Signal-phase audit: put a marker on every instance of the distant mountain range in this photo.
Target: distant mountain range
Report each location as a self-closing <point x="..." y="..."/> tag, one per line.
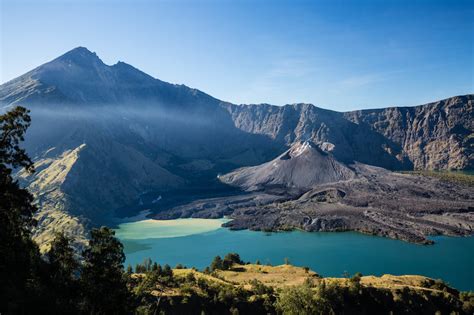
<point x="108" y="137"/>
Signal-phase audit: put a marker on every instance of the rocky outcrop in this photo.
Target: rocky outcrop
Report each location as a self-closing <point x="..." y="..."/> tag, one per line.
<point x="438" y="135"/>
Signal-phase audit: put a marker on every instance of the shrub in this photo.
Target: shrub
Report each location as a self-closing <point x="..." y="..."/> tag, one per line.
<point x="297" y="300"/>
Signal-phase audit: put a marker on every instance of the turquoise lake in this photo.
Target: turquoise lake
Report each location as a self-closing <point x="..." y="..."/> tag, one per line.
<point x="194" y="243"/>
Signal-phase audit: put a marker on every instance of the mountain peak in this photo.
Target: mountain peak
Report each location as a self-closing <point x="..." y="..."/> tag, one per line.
<point x="81" y="49"/>
<point x="80" y="55"/>
<point x="300" y="147"/>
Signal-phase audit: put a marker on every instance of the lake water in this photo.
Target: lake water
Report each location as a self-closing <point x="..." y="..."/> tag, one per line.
<point x="194" y="242"/>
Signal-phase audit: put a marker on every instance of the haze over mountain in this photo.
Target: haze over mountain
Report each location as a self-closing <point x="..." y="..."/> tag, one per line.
<point x="108" y="137"/>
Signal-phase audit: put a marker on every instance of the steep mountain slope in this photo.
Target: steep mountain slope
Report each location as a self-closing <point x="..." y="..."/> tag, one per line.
<point x="302" y="166"/>
<point x="120" y="99"/>
<point x="81" y="187"/>
<point x="52" y="202"/>
<point x="80" y="77"/>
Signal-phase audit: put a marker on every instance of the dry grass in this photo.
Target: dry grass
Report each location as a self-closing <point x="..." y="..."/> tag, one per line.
<point x="288" y="275"/>
<point x="277" y="276"/>
<point x="181" y="273"/>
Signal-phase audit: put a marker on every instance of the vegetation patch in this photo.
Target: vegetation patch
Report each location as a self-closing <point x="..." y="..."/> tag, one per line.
<point x="448" y="176"/>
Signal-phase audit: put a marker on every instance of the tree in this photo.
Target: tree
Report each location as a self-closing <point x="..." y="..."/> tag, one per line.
<point x="103" y="281"/>
<point x="19" y="255"/>
<point x="147" y="264"/>
<point x="230" y="259"/>
<point x="138" y="268"/>
<point x="157" y="268"/>
<point x="217" y="264"/>
<point x="63" y="271"/>
<point x="167" y="272"/>
<point x="13" y="126"/>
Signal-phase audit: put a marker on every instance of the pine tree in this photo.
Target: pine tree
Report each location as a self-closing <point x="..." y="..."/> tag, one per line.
<point x="19" y="255"/>
<point x="167" y="272"/>
<point x="217" y="263"/>
<point x="63" y="271"/>
<point x="103" y="281"/>
<point x="147" y="264"/>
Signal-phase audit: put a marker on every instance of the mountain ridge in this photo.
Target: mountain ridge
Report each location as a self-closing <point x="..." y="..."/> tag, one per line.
<point x="79" y="76"/>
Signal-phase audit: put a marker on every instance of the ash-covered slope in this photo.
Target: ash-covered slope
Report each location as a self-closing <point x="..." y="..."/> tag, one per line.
<point x="368" y="199"/>
<point x="302" y="166"/>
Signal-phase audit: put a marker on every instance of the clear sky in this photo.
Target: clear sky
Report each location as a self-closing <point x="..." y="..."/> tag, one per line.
<point x="340" y="55"/>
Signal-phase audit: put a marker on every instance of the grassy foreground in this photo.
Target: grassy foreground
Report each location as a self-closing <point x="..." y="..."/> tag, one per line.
<point x="286" y="289"/>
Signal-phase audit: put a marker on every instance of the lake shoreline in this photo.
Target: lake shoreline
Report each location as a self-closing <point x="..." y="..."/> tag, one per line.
<point x="329" y="253"/>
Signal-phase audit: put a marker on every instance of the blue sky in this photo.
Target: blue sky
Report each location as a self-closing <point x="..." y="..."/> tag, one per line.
<point x="340" y="55"/>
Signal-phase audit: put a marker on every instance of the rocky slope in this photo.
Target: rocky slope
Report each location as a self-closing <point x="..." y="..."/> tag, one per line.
<point x="89" y="169"/>
<point x="438" y="135"/>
